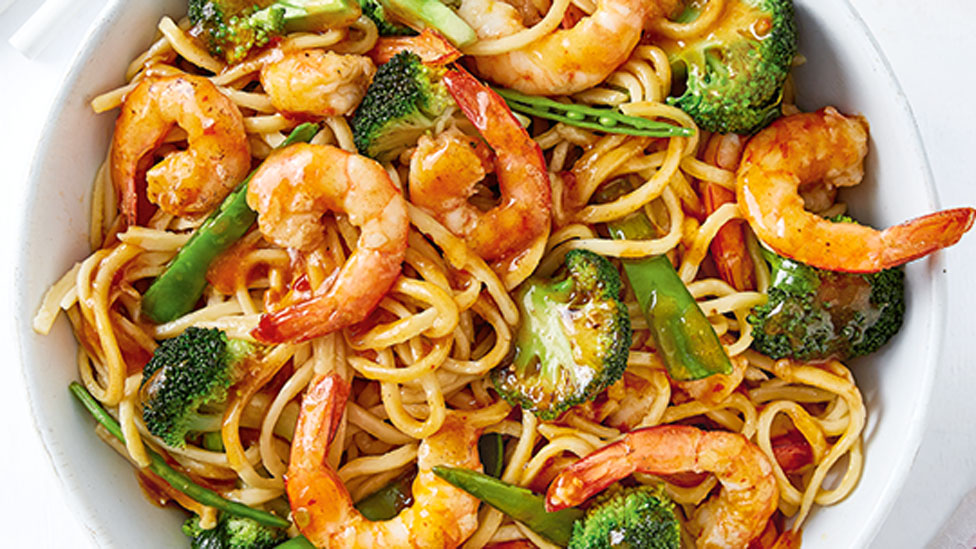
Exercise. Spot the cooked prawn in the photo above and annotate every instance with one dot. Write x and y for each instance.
(441, 515)
(445, 170)
(291, 192)
(567, 60)
(317, 83)
(826, 145)
(739, 513)
(186, 182)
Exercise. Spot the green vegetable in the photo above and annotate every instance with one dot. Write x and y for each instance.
(232, 28)
(573, 340)
(609, 120)
(396, 17)
(388, 501)
(636, 518)
(519, 503)
(640, 518)
(684, 337)
(405, 100)
(385, 23)
(177, 290)
(814, 314)
(185, 374)
(735, 72)
(173, 477)
(297, 542)
(232, 533)
(491, 451)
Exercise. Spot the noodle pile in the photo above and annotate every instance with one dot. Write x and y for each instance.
(449, 318)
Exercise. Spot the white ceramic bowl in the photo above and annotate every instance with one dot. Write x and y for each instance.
(844, 68)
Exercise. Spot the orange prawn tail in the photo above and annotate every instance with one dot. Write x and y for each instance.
(315, 492)
(924, 235)
(663, 449)
(429, 45)
(348, 301)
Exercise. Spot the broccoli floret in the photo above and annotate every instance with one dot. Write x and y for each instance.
(815, 314)
(232, 28)
(185, 374)
(638, 518)
(573, 340)
(405, 100)
(233, 533)
(735, 72)
(385, 23)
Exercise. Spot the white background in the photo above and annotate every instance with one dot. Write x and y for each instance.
(930, 46)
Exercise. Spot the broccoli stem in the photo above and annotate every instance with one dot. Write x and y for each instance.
(315, 15)
(685, 338)
(173, 477)
(177, 290)
(519, 503)
(434, 14)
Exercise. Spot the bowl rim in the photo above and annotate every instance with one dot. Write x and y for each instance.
(97, 528)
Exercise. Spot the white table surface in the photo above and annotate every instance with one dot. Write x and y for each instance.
(929, 45)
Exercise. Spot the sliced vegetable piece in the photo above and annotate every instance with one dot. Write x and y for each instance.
(388, 501)
(491, 450)
(173, 477)
(685, 338)
(609, 120)
(519, 503)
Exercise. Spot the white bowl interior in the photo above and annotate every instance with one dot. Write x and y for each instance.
(844, 68)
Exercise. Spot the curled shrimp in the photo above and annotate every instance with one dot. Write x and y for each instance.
(291, 192)
(186, 182)
(317, 83)
(568, 60)
(445, 170)
(738, 514)
(826, 145)
(441, 515)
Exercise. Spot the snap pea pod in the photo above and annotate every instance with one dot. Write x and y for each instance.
(173, 477)
(519, 503)
(389, 500)
(685, 338)
(492, 454)
(602, 119)
(174, 293)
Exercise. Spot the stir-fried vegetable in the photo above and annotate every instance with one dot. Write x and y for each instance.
(684, 337)
(185, 374)
(405, 100)
(173, 477)
(573, 341)
(641, 517)
(735, 72)
(519, 503)
(815, 314)
(232, 28)
(396, 17)
(609, 120)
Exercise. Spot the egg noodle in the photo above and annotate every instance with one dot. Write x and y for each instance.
(450, 318)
